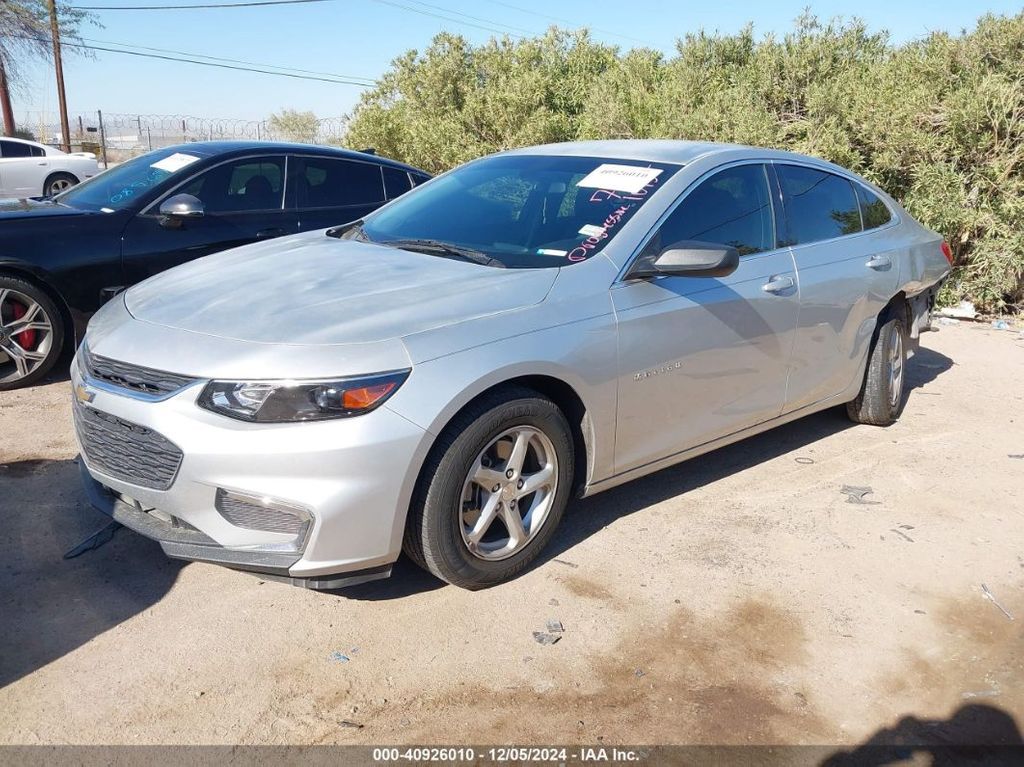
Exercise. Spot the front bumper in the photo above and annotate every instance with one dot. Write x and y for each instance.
(353, 476)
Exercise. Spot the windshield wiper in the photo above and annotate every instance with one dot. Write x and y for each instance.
(350, 231)
(437, 247)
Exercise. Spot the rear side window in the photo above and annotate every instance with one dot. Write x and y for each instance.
(419, 178)
(396, 182)
(819, 205)
(873, 211)
(329, 183)
(730, 208)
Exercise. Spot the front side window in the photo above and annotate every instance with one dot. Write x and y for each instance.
(327, 182)
(874, 212)
(819, 205)
(733, 208)
(247, 184)
(524, 211)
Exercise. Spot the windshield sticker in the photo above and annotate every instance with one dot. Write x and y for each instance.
(592, 230)
(550, 252)
(175, 162)
(619, 178)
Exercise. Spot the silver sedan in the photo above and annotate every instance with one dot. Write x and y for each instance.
(443, 376)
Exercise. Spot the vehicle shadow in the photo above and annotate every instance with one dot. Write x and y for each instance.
(50, 605)
(975, 734)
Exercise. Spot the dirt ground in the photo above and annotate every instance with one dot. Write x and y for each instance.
(737, 598)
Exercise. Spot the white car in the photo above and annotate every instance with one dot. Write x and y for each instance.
(28, 169)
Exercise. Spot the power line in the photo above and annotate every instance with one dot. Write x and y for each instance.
(368, 81)
(570, 22)
(447, 18)
(474, 18)
(249, 4)
(337, 80)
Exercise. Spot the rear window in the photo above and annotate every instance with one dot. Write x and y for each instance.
(874, 212)
(819, 205)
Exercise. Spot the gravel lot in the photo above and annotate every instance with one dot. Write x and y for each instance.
(737, 598)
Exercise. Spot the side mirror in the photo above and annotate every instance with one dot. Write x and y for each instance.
(689, 258)
(180, 207)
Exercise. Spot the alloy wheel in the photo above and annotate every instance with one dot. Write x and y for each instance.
(508, 493)
(896, 366)
(59, 185)
(26, 335)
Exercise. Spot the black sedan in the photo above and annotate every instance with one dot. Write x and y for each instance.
(62, 257)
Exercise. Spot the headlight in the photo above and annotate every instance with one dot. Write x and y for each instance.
(286, 401)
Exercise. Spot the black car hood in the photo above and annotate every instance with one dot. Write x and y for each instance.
(38, 208)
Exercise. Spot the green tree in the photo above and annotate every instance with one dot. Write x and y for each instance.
(938, 122)
(293, 125)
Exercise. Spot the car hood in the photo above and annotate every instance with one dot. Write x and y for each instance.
(38, 208)
(313, 289)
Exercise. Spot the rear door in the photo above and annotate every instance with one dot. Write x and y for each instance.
(702, 357)
(847, 275)
(243, 201)
(335, 190)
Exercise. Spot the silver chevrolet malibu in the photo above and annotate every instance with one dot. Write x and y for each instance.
(442, 376)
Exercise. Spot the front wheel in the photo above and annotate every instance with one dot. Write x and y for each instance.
(881, 395)
(493, 491)
(31, 333)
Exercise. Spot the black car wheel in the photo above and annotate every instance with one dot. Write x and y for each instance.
(31, 333)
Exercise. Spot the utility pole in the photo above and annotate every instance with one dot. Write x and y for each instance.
(55, 31)
(5, 101)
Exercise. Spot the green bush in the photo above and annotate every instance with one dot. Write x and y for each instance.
(938, 122)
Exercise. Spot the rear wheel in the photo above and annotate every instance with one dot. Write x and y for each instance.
(881, 396)
(493, 491)
(57, 183)
(31, 333)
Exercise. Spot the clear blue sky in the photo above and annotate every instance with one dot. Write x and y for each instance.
(361, 37)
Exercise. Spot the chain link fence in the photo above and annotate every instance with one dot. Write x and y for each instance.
(118, 136)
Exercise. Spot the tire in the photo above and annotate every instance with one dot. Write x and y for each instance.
(482, 438)
(880, 400)
(27, 356)
(58, 182)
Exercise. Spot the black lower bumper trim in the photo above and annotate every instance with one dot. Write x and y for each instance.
(192, 545)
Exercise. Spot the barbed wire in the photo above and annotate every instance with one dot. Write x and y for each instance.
(131, 134)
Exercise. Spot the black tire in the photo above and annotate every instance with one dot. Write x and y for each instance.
(53, 346)
(881, 396)
(56, 183)
(433, 533)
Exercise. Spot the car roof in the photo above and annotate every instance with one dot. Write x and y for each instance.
(668, 150)
(217, 148)
(23, 141)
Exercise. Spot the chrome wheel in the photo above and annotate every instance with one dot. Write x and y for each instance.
(896, 366)
(508, 493)
(26, 335)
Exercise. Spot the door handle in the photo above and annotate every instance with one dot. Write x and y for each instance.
(778, 284)
(879, 262)
(267, 234)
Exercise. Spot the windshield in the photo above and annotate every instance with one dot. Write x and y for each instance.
(524, 211)
(114, 189)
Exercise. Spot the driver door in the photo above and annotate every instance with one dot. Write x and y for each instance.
(243, 201)
(702, 357)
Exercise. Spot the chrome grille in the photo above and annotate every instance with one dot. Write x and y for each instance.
(250, 513)
(125, 450)
(133, 377)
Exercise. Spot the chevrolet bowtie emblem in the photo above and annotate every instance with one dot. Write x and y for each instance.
(84, 394)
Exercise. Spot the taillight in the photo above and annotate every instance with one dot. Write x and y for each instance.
(947, 252)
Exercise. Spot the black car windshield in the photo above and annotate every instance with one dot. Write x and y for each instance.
(523, 211)
(117, 187)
